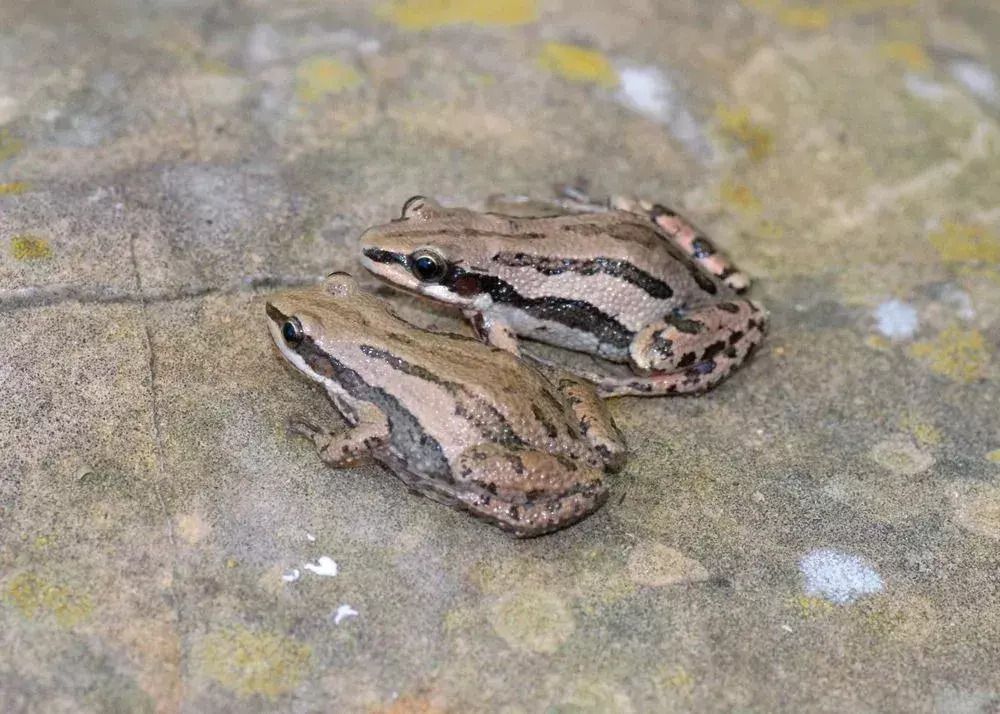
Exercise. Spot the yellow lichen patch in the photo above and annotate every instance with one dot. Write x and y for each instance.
(956, 353)
(247, 662)
(808, 608)
(901, 457)
(14, 188)
(320, 77)
(736, 123)
(578, 64)
(535, 621)
(804, 17)
(994, 456)
(960, 242)
(9, 144)
(677, 679)
(192, 527)
(36, 596)
(27, 247)
(424, 14)
(925, 432)
(909, 54)
(739, 196)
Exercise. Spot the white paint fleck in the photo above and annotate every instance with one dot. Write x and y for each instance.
(343, 612)
(324, 566)
(310, 537)
(897, 320)
(920, 86)
(978, 79)
(651, 93)
(837, 576)
(292, 576)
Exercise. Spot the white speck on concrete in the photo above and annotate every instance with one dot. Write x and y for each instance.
(897, 320)
(650, 92)
(310, 537)
(978, 79)
(344, 611)
(324, 566)
(923, 88)
(292, 576)
(837, 576)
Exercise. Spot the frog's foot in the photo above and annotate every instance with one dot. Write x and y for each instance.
(595, 421)
(492, 332)
(527, 493)
(694, 361)
(344, 449)
(689, 238)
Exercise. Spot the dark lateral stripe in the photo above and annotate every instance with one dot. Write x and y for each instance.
(409, 230)
(419, 450)
(386, 256)
(576, 314)
(485, 417)
(617, 268)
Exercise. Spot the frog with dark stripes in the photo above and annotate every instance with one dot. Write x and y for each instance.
(623, 280)
(466, 424)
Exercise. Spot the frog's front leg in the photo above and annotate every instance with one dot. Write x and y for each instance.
(526, 493)
(693, 352)
(492, 331)
(370, 430)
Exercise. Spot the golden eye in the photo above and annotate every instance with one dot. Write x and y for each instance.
(428, 265)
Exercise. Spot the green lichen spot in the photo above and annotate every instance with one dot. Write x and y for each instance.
(925, 432)
(958, 354)
(993, 456)
(250, 663)
(14, 188)
(9, 145)
(578, 64)
(424, 14)
(30, 248)
(963, 242)
(37, 597)
(808, 608)
(321, 77)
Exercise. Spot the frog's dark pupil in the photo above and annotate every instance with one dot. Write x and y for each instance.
(426, 267)
(291, 332)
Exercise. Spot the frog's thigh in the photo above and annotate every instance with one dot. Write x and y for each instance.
(701, 335)
(595, 420)
(690, 239)
(347, 448)
(700, 376)
(527, 493)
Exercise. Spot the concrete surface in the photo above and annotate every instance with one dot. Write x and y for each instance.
(819, 534)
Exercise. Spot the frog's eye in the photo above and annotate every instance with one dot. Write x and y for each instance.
(412, 205)
(428, 265)
(292, 331)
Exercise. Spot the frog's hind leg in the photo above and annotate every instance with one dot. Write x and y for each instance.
(693, 354)
(526, 493)
(595, 420)
(689, 238)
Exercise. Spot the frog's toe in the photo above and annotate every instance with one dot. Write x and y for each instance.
(298, 425)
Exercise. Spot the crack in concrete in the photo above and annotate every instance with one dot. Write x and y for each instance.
(34, 296)
(157, 430)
